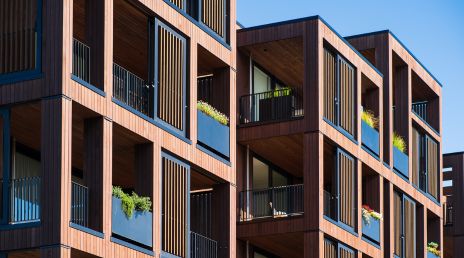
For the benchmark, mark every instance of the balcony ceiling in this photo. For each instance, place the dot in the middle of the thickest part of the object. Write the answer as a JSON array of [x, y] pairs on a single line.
[[285, 152], [26, 124], [282, 58], [283, 245]]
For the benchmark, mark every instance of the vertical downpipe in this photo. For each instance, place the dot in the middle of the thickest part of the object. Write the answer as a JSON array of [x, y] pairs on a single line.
[[247, 182]]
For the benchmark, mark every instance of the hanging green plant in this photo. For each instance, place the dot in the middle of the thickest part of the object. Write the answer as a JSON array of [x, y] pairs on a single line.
[[212, 112], [432, 247], [131, 203], [399, 142], [369, 118]]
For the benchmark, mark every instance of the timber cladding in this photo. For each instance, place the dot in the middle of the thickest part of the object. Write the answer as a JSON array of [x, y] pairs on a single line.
[[18, 35]]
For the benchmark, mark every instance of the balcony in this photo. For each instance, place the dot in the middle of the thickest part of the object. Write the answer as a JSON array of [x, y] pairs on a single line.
[[202, 247], [81, 61], [79, 204], [132, 90], [274, 202], [24, 200], [370, 138], [271, 106]]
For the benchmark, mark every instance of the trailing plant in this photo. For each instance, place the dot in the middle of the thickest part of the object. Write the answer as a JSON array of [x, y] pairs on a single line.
[[212, 112], [369, 118], [285, 91], [432, 247], [399, 142], [368, 213], [131, 203]]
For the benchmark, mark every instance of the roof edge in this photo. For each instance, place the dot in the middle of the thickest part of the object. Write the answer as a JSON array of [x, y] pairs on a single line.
[[402, 44], [310, 18]]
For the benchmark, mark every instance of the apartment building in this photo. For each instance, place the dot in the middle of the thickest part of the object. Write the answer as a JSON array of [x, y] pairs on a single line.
[[98, 100], [453, 203], [338, 145]]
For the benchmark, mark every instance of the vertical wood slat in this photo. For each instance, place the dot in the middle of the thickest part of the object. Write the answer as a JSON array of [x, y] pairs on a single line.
[[346, 174], [179, 3], [330, 249], [397, 211], [432, 166], [171, 78], [329, 86], [409, 228], [17, 35], [175, 204], [416, 156], [213, 15], [346, 77]]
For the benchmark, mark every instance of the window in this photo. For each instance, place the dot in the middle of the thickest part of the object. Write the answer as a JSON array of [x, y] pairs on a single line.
[[170, 78], [340, 188], [425, 172], [20, 38], [404, 210], [339, 92]]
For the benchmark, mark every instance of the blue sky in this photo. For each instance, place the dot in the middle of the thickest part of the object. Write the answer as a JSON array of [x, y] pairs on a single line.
[[433, 30]]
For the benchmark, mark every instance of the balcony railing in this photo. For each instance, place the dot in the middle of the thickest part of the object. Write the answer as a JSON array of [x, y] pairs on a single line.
[[420, 109], [24, 200], [131, 90], [277, 105], [448, 214], [281, 201], [81, 61], [79, 204], [202, 247]]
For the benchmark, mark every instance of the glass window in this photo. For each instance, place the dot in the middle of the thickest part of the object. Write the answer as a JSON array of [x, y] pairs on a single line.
[[261, 81], [260, 175]]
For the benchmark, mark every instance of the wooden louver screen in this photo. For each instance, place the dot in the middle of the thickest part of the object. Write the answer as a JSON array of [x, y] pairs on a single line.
[[179, 3], [416, 156], [346, 184], [171, 78], [346, 89], [175, 207], [213, 15], [330, 249], [432, 166], [18, 35], [397, 231], [345, 253], [409, 228], [330, 87]]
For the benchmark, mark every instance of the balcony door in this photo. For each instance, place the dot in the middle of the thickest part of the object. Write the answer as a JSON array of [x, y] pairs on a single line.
[[425, 153], [170, 78], [339, 92], [404, 226], [268, 197], [340, 189]]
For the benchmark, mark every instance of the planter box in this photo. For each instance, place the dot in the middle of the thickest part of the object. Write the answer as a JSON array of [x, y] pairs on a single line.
[[370, 138], [400, 162], [431, 255], [275, 108], [372, 230], [213, 134], [138, 228]]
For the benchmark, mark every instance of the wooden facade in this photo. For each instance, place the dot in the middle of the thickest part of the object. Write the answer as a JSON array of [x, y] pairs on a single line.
[[84, 133], [338, 83], [453, 228]]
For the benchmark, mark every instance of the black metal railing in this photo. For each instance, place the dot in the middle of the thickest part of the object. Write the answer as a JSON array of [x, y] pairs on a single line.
[[25, 200], [330, 204], [448, 214], [81, 61], [420, 109], [273, 202], [131, 90], [202, 247], [283, 104], [205, 88], [79, 204]]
